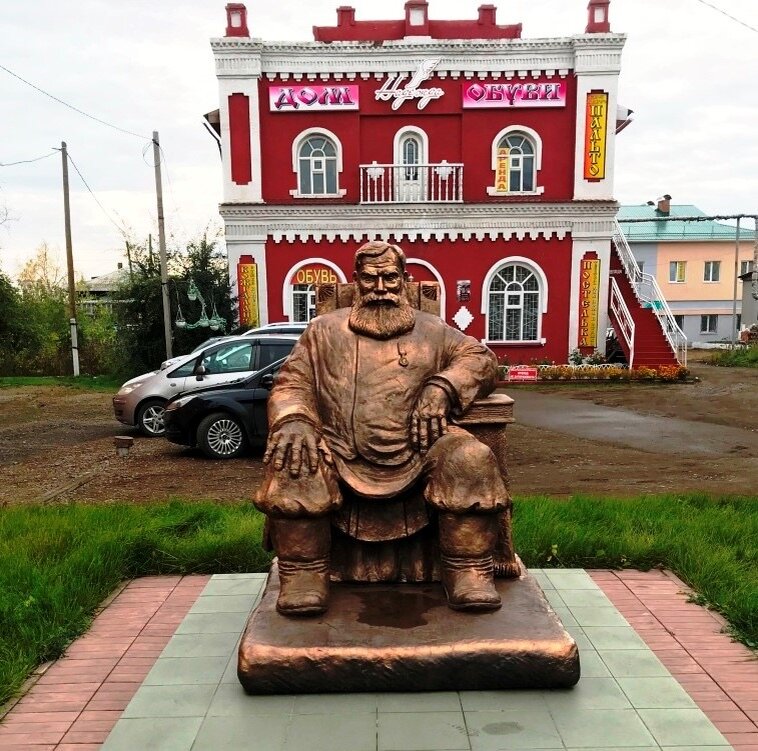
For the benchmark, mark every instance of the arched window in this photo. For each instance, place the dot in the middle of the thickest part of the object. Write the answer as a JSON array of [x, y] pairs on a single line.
[[411, 155], [303, 302], [516, 160], [317, 162], [513, 304]]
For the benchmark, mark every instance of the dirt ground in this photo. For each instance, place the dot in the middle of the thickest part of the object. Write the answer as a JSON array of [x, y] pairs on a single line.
[[56, 445]]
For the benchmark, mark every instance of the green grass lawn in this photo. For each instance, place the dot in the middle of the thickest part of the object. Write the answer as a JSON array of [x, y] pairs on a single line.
[[57, 563], [741, 357], [85, 383]]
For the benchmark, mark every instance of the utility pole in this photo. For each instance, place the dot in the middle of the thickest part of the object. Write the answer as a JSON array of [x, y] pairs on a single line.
[[734, 291], [70, 264], [162, 245]]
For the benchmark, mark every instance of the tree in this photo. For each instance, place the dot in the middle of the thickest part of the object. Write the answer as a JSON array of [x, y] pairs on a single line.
[[198, 283], [42, 274]]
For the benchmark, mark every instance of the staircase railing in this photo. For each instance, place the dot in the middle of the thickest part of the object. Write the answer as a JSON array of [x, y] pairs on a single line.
[[650, 296], [624, 318]]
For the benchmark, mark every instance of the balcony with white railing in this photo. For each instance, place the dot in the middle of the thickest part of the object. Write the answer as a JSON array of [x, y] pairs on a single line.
[[411, 183]]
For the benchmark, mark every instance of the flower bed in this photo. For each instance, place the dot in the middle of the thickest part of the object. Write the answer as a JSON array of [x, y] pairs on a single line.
[[604, 372]]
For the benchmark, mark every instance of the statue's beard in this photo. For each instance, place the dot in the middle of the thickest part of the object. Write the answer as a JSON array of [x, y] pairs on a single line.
[[381, 317]]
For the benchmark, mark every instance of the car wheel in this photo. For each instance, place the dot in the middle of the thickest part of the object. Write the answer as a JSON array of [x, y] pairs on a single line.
[[150, 418], [221, 436]]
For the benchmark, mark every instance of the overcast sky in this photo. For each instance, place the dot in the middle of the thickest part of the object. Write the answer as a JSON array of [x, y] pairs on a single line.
[[689, 73]]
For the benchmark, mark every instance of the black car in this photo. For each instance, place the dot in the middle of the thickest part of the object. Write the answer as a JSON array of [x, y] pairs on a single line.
[[223, 420]]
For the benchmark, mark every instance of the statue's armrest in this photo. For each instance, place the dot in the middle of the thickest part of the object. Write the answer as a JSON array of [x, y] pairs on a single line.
[[496, 409]]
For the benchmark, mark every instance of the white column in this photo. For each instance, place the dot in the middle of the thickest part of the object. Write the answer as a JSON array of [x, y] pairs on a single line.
[[580, 246], [238, 69], [255, 247], [597, 69]]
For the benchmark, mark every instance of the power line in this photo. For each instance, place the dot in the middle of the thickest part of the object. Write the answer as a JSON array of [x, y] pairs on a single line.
[[728, 15], [71, 106], [27, 161], [107, 215], [171, 189]]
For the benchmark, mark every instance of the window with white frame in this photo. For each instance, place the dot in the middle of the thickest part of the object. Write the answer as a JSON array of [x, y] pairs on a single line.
[[516, 160], [514, 305], [745, 266], [711, 271], [303, 302], [677, 271], [709, 323], [317, 162], [679, 319]]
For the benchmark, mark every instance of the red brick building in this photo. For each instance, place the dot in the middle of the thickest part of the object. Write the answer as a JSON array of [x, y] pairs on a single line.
[[489, 158]]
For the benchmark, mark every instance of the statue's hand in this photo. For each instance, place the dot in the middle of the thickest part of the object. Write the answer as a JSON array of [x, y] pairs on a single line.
[[291, 444], [429, 417]]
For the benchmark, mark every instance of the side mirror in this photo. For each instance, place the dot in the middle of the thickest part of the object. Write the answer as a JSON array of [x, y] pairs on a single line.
[[267, 381], [200, 371]]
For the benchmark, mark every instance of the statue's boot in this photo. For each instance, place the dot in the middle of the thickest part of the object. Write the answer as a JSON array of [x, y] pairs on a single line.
[[467, 543], [302, 547]]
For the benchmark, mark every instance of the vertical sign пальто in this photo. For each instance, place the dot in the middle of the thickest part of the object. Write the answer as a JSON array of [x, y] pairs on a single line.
[[596, 135]]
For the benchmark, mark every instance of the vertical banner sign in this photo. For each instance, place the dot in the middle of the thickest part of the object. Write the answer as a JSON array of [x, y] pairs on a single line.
[[247, 291], [501, 173], [596, 135], [589, 298]]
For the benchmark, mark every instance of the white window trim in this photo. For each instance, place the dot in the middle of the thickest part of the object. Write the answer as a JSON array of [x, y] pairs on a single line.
[[437, 276], [709, 315], [296, 143], [537, 141], [676, 281], [286, 286], [541, 278], [408, 130], [718, 266]]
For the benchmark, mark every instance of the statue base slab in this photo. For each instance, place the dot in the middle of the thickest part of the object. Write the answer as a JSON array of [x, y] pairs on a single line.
[[403, 637]]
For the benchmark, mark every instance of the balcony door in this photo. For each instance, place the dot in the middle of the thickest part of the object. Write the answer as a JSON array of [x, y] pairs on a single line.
[[410, 165]]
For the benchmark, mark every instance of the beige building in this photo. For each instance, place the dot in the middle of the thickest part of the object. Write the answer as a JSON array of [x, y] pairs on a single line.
[[694, 265]]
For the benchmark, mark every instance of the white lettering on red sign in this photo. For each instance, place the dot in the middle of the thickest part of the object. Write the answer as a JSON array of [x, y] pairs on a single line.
[[288, 98], [522, 373], [391, 90]]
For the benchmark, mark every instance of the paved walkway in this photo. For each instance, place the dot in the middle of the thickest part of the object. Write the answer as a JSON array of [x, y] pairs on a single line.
[[627, 697], [664, 435]]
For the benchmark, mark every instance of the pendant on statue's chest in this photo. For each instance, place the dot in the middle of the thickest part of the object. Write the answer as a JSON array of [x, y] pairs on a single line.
[[403, 360]]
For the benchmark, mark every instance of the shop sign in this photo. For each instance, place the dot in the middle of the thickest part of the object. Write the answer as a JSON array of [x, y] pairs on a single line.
[[314, 274], [247, 293], [288, 98], [391, 91], [596, 135], [482, 95], [522, 373], [501, 171], [589, 297]]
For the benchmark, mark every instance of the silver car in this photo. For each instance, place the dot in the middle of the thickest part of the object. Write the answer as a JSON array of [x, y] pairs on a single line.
[[141, 400]]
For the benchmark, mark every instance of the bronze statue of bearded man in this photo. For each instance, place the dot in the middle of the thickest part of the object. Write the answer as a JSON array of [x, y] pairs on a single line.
[[361, 409]]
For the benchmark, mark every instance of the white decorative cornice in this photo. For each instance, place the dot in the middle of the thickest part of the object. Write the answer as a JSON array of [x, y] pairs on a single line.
[[433, 222], [458, 58], [598, 53]]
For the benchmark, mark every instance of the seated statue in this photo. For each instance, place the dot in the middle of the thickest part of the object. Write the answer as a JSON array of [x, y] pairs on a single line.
[[360, 421]]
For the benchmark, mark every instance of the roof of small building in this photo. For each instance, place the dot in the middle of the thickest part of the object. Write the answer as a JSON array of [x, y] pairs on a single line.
[[673, 231], [109, 282]]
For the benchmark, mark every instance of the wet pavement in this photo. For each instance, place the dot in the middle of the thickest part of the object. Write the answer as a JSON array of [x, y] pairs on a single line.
[[664, 435]]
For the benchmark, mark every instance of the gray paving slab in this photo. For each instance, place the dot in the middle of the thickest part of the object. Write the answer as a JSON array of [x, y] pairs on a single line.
[[626, 700], [661, 435]]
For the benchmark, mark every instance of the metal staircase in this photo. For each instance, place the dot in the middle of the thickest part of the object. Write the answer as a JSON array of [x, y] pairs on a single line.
[[644, 323]]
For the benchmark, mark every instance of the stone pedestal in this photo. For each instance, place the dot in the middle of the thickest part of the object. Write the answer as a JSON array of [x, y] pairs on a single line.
[[403, 637]]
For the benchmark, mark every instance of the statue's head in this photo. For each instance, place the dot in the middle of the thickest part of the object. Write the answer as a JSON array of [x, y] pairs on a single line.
[[380, 308]]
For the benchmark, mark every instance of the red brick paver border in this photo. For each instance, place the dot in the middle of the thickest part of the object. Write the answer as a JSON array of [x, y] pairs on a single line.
[[77, 701], [719, 674]]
